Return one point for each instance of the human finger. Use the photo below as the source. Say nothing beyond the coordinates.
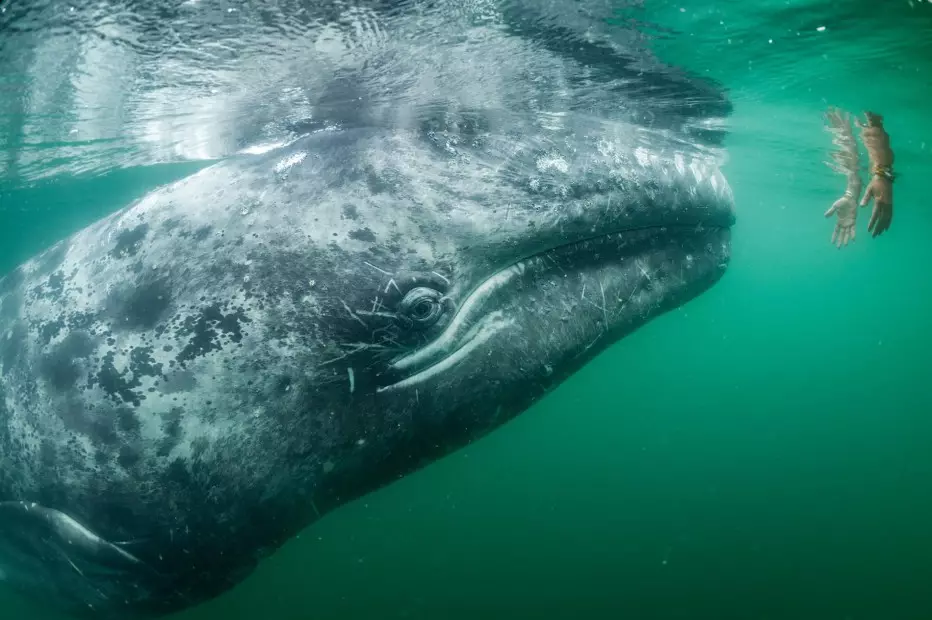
(842, 237)
(876, 215)
(884, 219)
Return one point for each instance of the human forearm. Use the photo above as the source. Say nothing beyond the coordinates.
(877, 142)
(854, 184)
(846, 159)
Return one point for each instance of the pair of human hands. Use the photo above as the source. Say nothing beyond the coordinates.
(879, 190)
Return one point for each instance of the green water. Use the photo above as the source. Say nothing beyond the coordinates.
(763, 453)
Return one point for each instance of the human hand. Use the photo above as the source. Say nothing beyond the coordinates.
(872, 120)
(880, 189)
(838, 119)
(846, 210)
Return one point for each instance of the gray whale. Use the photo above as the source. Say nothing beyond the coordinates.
(189, 382)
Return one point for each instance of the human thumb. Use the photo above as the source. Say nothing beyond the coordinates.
(833, 208)
(867, 196)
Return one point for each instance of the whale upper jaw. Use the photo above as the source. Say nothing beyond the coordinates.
(657, 217)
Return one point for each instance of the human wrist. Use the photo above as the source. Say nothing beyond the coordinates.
(854, 186)
(884, 171)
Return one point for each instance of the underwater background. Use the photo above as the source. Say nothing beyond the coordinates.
(764, 452)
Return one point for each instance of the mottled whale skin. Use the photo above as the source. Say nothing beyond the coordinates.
(189, 382)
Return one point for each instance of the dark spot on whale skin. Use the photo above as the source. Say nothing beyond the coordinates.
(49, 330)
(77, 344)
(362, 234)
(8, 448)
(103, 429)
(283, 385)
(350, 212)
(11, 280)
(177, 474)
(59, 368)
(52, 493)
(377, 184)
(56, 284)
(199, 447)
(47, 454)
(81, 320)
(116, 384)
(129, 456)
(52, 288)
(96, 423)
(129, 241)
(171, 426)
(201, 233)
(127, 420)
(142, 306)
(171, 224)
(142, 364)
(205, 329)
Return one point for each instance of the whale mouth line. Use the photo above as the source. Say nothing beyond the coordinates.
(466, 331)
(476, 336)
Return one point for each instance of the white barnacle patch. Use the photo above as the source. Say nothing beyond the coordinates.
(288, 162)
(553, 163)
(698, 170)
(259, 149)
(680, 163)
(642, 156)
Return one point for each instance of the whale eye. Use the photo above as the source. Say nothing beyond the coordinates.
(422, 306)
